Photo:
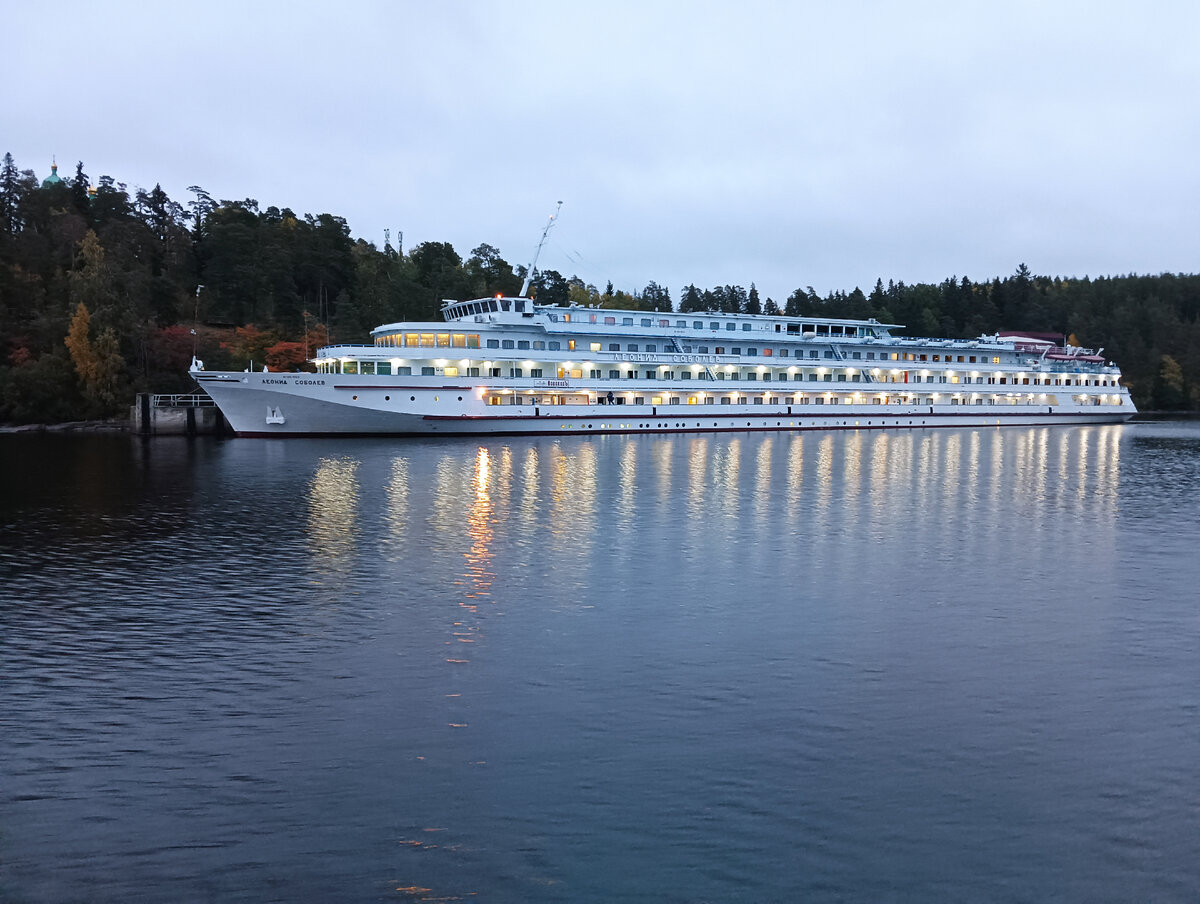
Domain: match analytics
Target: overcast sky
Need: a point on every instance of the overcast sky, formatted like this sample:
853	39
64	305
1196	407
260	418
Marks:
785	144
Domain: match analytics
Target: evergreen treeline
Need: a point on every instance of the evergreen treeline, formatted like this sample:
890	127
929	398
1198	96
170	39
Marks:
104	293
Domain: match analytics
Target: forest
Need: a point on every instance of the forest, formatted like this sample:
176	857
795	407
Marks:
106	292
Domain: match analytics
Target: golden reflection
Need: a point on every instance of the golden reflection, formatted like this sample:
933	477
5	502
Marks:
397	501
881	484
531	480
1085	436
663	449
953	466
626	508
697	476
763	498
726	468
333	512
480	531
795	475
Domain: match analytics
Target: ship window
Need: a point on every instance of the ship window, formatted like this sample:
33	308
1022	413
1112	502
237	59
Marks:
664	323
610	321
703	349
631	347
571	345
539	343
858	356
411	340
614	346
614	375
458	340
783	377
554	345
731	326
626	321
472	340
645	321
871	356
516	372
768	352
736	350
714	325
697	324
404	371
522	343
450	371
745	327
812	353
535	371
685	375
752	352
576	374
651	347
493	343
595	346
829	354
349	367
507	343
591	318
472	371
726	401
427	371
427	340
384	368
443	340
719	350
594	374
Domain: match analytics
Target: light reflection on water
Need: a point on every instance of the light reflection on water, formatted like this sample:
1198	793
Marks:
872	666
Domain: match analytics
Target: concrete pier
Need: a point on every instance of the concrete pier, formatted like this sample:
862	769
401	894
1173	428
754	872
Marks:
177	415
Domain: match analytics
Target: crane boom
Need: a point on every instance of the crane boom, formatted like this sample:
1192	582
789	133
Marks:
537	253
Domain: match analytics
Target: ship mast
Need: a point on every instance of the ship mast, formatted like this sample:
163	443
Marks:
545	232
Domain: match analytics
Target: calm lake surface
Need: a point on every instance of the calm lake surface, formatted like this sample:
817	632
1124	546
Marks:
954	665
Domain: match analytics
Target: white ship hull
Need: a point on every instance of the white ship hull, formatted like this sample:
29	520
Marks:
268	404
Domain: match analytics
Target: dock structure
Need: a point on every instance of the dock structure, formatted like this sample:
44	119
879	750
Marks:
178	414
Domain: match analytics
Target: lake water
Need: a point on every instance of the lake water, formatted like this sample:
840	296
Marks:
954	665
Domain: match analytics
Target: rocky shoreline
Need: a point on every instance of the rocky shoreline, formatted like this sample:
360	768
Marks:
112	426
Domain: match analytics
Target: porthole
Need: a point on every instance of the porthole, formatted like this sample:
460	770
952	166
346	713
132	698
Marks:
412	398
387	398
460	398
356	398
436	398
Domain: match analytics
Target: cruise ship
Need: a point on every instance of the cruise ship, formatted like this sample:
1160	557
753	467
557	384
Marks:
510	365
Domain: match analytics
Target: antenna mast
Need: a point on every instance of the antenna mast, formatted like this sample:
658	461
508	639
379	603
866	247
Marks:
545	232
